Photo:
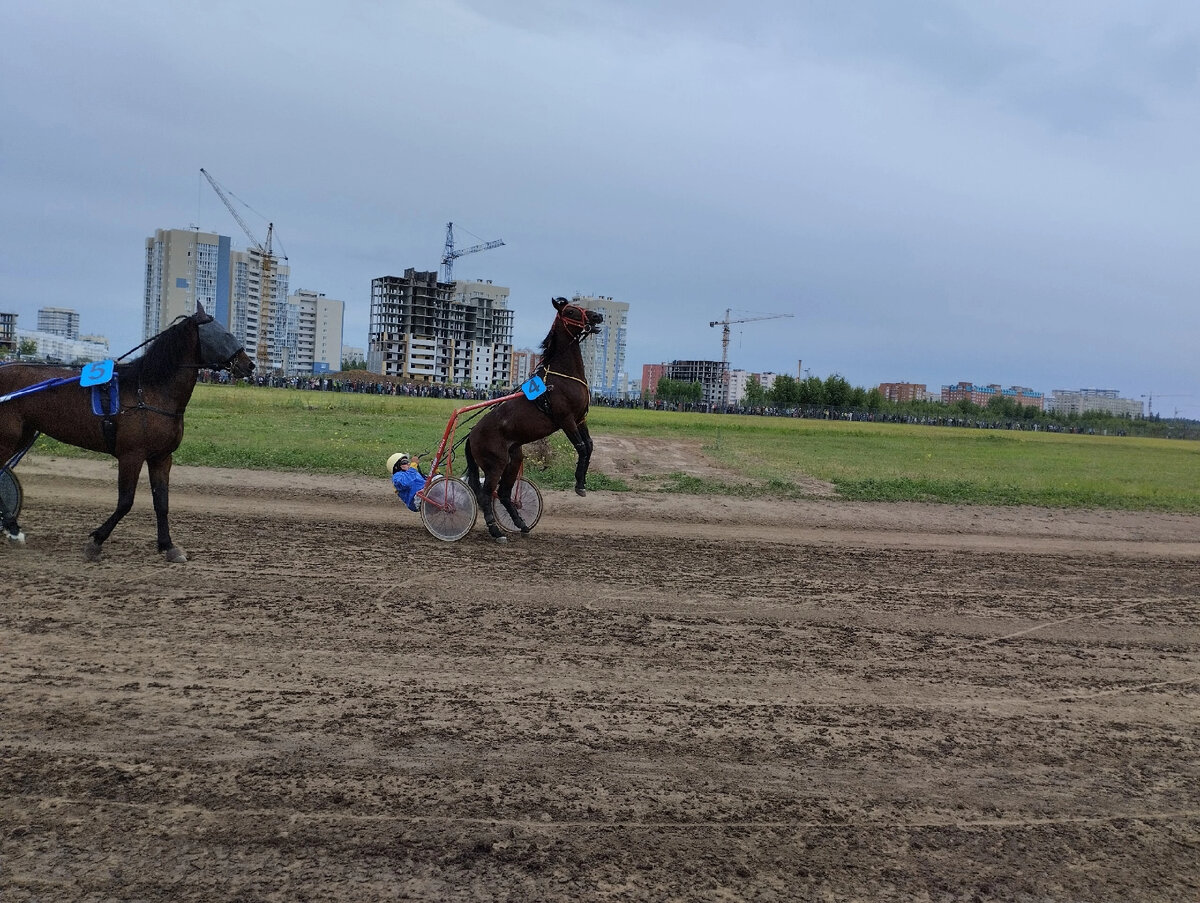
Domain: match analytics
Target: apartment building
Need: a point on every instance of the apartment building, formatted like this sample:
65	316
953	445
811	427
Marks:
8	332
899	393
244	292
1083	401
313	333
981	395
604	351
60	321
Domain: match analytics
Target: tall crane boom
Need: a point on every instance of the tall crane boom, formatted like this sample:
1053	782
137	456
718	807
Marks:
450	254
725	330
266	274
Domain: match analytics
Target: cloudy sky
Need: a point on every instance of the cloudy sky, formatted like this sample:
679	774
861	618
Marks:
935	190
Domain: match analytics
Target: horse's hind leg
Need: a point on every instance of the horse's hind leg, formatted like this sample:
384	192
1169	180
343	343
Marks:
160	477
9	526
128	471
582	440
508	479
484	489
9	446
8	519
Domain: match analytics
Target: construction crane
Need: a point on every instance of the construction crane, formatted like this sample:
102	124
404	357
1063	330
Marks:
726	324
266	290
1150	398
450	255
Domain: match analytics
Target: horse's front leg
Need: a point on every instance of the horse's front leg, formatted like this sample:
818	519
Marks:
160	477
128	470
582	440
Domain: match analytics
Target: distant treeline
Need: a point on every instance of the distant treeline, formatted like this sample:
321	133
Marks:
833	398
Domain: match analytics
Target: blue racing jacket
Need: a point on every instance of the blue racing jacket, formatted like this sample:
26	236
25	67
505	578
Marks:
408	483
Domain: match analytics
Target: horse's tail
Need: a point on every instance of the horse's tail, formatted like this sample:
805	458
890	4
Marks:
472	467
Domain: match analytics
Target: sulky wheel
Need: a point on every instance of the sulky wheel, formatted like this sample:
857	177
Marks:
448	508
528	500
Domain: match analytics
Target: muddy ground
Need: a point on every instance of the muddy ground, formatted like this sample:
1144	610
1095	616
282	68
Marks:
652	698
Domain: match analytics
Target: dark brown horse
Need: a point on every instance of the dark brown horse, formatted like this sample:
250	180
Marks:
142	423
494	444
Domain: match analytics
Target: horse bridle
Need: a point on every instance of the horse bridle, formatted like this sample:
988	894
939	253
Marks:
586	328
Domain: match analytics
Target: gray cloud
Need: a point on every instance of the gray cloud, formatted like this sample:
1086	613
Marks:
937	191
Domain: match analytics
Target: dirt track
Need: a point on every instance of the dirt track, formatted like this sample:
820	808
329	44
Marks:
652	698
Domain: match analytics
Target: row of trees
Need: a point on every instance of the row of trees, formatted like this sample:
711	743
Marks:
835	392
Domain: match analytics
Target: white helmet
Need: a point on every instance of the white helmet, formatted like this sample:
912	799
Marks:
394	460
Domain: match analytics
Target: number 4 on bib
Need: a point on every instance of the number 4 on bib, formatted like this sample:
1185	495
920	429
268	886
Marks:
533	387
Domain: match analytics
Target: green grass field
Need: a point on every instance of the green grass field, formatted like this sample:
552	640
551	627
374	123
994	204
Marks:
277	429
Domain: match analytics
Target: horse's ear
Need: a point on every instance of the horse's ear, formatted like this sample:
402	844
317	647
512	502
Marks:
559	303
200	309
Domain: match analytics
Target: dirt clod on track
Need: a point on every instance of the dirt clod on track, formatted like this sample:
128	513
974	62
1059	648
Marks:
653	697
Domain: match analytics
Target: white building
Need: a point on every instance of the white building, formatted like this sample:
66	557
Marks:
735	387
58	321
1083	401
604	351
490	323
60	348
313	342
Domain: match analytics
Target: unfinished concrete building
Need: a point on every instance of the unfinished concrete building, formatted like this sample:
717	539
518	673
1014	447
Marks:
426	331
712	376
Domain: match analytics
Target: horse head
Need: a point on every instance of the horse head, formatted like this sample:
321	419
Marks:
578	321
219	350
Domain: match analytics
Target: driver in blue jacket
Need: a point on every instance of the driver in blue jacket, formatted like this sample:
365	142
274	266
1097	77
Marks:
407	479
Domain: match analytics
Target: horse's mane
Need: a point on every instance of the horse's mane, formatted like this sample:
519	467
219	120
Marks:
162	356
556	341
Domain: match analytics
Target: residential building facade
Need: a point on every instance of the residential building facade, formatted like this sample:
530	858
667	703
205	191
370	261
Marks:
651	374
521	367
604	350
313	343
981	395
8	332
1083	401
60	348
242	291
59	321
899	393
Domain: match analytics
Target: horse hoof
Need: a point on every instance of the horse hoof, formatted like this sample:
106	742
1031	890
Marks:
175	555
579	490
91	551
16	539
500	538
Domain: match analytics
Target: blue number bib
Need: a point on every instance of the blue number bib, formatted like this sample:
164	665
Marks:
96	373
533	387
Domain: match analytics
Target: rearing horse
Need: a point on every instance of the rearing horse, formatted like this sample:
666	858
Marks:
145	426
494	443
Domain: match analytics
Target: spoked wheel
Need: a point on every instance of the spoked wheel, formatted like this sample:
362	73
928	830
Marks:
448	509
10	492
528	501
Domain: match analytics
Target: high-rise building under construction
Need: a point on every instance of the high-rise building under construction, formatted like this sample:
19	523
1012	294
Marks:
453	333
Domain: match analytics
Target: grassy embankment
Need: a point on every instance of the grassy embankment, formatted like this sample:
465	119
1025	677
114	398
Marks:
242	426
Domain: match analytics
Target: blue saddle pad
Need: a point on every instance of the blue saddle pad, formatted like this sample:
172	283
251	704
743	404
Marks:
114	398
